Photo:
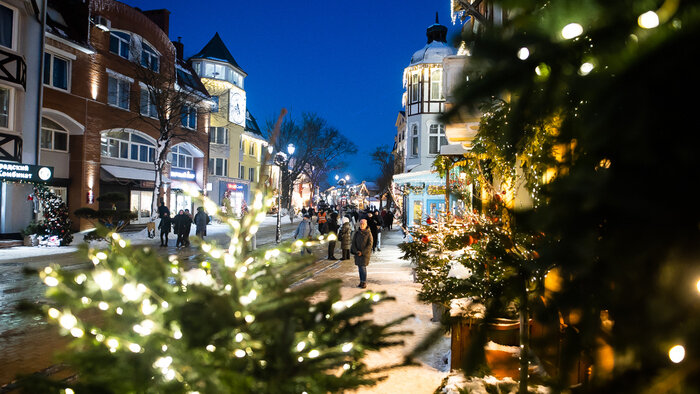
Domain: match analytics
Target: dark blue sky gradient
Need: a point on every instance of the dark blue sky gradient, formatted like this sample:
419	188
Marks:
343	60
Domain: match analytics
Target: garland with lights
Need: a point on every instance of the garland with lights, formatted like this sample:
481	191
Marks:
230	322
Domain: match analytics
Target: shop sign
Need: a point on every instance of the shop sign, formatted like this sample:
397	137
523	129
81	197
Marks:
182	174
10	171
234	186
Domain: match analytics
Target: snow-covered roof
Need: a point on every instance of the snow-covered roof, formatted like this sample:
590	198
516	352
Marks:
433	52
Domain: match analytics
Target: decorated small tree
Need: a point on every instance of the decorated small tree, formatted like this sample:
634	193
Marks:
229	322
56	221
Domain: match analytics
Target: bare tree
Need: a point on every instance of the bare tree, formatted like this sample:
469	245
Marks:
319	151
172	101
384	159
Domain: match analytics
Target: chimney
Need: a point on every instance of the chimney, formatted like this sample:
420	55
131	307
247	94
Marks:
179	48
160	17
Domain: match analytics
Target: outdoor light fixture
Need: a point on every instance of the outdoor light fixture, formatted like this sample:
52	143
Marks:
280	160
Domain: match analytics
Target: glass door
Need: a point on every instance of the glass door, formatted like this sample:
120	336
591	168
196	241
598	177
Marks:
141	205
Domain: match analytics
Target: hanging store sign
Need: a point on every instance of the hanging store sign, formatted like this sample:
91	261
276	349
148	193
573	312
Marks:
180	174
10	171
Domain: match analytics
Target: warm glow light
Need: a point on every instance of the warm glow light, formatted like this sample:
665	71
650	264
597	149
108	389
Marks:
585	69
698	285
648	20
571	30
676	354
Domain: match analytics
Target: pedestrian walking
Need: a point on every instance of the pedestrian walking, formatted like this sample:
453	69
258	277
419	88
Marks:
332	227
389	219
372	224
201	219
345	236
380	227
304	232
177	222
186	227
163	209
361	248
164	226
322	222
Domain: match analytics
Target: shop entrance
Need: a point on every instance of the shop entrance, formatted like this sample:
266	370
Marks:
141	205
179	201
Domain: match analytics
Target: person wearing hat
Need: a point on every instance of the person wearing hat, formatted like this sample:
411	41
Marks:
361	247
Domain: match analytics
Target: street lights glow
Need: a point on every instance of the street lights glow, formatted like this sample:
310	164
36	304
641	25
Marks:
281	159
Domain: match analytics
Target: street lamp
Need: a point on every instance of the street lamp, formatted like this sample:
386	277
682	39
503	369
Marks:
280	159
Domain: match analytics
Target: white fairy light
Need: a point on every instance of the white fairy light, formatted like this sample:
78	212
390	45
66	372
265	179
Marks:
80	279
54	313
122	243
585	69
103	279
523	53
177	334
239	337
249	318
134	347
648	20
347	347
51	281
121	271
119	310
314	353
112	343
77	332
210	348
676	354
346	366
103	305
240	353
571	30
301	346
101	255
68	321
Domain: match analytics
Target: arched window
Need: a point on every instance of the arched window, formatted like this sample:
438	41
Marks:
124	144
53	136
182	158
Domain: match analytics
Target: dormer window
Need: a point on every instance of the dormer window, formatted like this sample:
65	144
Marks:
149	57
120	43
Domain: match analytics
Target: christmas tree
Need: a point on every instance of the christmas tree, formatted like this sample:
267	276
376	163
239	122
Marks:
620	242
56	220
230	322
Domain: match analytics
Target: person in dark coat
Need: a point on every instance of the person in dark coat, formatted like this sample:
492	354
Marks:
165	226
345	237
332	226
372	224
162	209
177	227
389	219
361	247
187	227
201	219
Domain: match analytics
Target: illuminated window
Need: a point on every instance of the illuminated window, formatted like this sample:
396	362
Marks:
436	85
415	87
127	145
181	158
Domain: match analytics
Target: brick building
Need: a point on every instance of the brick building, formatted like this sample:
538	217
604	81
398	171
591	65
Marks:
100	121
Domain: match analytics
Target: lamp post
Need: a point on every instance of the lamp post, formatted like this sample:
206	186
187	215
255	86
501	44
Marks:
281	159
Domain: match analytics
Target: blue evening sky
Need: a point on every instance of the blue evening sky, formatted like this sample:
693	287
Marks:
343	60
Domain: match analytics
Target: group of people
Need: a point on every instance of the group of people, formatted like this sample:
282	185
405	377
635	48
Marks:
359	232
181	225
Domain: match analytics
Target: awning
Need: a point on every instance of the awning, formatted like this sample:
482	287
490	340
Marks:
128	173
453	150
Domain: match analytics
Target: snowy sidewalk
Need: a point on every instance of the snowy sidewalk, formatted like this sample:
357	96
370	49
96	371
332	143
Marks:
388	272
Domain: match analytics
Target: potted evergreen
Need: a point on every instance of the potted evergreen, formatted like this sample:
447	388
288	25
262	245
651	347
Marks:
30	233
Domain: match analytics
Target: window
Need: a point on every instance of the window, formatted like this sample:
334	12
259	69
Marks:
118	92
436	85
148	105
182	158
218	166
53	136
219	71
415	87
149	57
189	117
241	145
414	140
215	100
241	171
8	23
119	43
56	71
251	174
251	148
127	145
437	138
6	99
218	135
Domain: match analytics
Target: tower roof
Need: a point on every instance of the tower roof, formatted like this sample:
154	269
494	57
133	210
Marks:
216	50
436	48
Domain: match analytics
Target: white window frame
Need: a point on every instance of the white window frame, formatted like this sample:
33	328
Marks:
415	141
122	42
148	49
241	171
212	166
251	174
251	148
120	79
150	108
436	131
53	137
436	93
10	108
49	66
150	148
214	133
15	26
415	87
175	151
188	111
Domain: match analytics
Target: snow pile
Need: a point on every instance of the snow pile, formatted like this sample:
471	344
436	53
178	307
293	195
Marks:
456	383
467	307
